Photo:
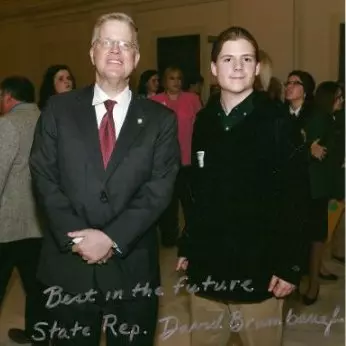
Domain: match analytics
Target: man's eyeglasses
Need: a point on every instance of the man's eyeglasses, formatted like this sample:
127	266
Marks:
293	82
107	43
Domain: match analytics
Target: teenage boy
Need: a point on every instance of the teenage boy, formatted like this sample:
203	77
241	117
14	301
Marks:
242	246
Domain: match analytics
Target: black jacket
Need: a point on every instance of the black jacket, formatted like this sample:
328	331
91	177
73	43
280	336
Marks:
124	201
336	157
248	208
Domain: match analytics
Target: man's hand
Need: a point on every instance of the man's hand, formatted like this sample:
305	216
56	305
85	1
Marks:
317	150
280	288
107	257
182	263
94	247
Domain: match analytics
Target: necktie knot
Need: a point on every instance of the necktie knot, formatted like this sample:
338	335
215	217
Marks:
109	104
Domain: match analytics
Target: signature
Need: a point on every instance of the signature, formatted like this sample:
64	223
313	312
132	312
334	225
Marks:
236	322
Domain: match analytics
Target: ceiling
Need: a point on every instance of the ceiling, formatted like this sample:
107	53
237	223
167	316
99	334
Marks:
30	9
27	8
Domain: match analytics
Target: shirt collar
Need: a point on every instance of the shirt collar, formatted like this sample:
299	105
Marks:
15	106
245	107
295	111
100	96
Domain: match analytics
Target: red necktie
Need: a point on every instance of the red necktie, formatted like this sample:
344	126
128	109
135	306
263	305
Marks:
107	132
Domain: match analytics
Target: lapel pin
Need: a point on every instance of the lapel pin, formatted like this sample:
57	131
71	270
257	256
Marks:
139	121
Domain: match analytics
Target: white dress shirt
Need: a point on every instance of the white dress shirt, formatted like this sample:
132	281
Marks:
295	112
120	108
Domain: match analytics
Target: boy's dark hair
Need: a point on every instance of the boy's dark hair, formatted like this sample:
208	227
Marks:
20	88
232	34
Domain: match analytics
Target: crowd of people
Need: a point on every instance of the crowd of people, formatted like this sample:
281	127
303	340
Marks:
88	176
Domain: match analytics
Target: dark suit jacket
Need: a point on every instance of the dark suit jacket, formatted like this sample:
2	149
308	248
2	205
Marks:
337	157
320	126
247	204
123	201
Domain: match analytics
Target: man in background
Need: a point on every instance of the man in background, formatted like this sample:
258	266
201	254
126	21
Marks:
196	85
20	235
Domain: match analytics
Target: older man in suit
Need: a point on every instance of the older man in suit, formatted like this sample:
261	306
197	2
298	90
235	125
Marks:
104	164
20	234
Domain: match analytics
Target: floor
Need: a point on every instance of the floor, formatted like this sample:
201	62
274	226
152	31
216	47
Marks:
302	332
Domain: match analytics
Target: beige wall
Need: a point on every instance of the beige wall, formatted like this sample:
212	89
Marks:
297	34
193	19
319	36
271	21
30	45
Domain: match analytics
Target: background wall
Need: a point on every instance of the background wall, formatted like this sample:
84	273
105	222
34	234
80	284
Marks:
296	33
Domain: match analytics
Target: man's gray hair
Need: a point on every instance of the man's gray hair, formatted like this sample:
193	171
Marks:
121	17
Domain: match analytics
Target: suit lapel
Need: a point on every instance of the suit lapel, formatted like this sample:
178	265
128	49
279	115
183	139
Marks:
134	123
87	124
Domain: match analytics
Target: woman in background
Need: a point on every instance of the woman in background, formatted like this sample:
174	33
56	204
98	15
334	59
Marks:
185	105
275	90
333	94
57	79
323	172
262	80
265	81
196	85
148	84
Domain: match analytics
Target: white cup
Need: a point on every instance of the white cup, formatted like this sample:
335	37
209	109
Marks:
200	158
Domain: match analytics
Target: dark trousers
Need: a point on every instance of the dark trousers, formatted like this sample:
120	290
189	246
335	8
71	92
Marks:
24	255
317	220
169	221
125	322
315	227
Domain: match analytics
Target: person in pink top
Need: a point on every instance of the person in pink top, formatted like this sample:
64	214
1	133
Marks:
185	105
